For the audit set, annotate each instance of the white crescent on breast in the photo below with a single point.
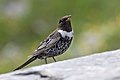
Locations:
(65, 33)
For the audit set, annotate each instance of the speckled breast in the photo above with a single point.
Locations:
(60, 47)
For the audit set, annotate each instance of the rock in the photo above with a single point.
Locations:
(102, 66)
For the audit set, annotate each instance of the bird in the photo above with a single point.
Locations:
(55, 44)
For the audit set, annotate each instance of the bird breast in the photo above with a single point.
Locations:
(66, 34)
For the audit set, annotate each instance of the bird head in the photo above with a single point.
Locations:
(65, 23)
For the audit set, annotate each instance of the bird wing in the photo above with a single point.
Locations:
(50, 41)
(47, 43)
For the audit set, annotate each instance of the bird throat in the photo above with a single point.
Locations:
(65, 33)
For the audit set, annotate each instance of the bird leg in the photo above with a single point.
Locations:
(45, 60)
(54, 59)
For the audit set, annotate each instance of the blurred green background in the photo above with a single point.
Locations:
(24, 23)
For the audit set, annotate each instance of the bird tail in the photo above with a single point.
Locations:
(26, 63)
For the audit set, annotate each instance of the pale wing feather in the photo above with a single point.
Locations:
(50, 41)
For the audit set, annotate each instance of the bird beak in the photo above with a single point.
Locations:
(68, 17)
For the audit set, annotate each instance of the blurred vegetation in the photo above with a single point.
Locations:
(24, 23)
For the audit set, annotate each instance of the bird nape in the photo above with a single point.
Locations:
(55, 44)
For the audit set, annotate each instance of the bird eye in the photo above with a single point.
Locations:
(60, 21)
(63, 20)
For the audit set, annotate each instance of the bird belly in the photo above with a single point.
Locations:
(60, 47)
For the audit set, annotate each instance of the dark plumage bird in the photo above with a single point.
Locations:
(55, 44)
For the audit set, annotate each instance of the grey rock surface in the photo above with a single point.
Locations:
(101, 66)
